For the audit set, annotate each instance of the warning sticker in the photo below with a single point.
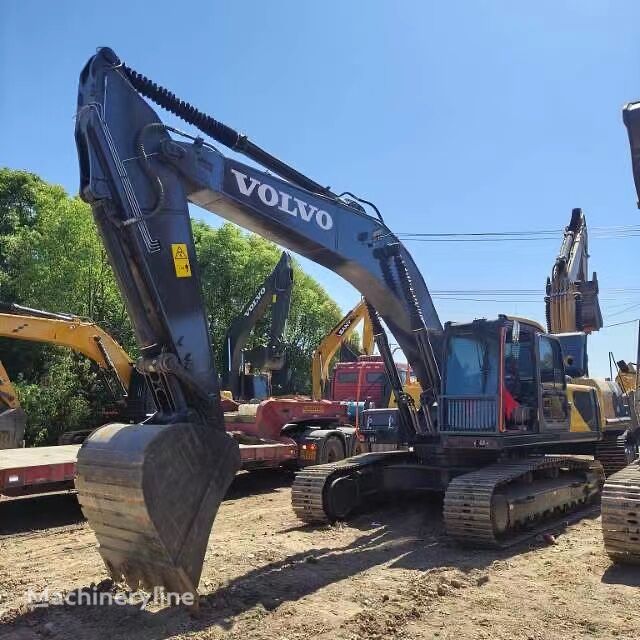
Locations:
(181, 260)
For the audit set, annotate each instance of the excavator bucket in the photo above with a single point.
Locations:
(12, 427)
(151, 493)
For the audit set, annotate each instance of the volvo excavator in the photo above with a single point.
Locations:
(12, 417)
(87, 338)
(621, 492)
(493, 400)
(262, 360)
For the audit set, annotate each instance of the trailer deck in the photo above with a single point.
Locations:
(37, 470)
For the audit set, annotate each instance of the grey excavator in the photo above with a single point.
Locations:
(493, 400)
(251, 373)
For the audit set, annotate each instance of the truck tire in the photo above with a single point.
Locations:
(332, 451)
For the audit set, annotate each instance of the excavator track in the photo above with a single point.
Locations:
(310, 497)
(621, 515)
(505, 503)
(307, 492)
(614, 453)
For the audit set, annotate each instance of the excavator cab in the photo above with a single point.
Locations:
(574, 349)
(503, 377)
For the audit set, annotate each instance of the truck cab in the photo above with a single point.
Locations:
(364, 380)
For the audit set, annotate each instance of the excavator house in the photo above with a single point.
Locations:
(150, 491)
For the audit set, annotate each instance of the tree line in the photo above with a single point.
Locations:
(51, 258)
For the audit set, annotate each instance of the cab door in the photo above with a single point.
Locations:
(554, 406)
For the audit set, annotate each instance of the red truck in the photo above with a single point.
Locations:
(364, 380)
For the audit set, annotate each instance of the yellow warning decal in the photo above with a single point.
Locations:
(181, 260)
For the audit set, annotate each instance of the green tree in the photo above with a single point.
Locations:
(232, 266)
(51, 258)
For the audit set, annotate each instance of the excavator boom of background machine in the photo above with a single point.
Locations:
(275, 290)
(332, 342)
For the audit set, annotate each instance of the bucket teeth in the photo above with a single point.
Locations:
(151, 493)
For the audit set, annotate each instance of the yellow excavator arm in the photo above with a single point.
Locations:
(13, 420)
(8, 396)
(572, 299)
(80, 335)
(330, 344)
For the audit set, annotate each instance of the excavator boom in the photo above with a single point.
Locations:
(631, 119)
(572, 299)
(151, 491)
(70, 331)
(275, 290)
(12, 416)
(330, 344)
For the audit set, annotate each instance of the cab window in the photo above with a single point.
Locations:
(347, 376)
(550, 358)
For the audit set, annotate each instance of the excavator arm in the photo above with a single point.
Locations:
(330, 344)
(139, 175)
(117, 130)
(631, 119)
(87, 338)
(12, 417)
(274, 291)
(150, 491)
(572, 299)
(8, 396)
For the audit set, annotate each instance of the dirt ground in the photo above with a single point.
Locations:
(389, 573)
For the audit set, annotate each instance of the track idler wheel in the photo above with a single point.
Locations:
(151, 493)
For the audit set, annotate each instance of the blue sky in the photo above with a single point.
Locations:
(458, 116)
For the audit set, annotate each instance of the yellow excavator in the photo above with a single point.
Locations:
(627, 379)
(327, 349)
(85, 337)
(573, 312)
(627, 375)
(12, 416)
(339, 334)
(572, 299)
